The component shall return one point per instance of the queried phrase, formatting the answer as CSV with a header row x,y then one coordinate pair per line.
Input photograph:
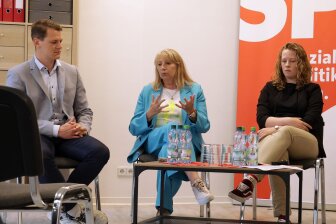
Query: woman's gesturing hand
x,y
188,106
155,107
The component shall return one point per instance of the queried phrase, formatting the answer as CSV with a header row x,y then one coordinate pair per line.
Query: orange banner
x,y
265,26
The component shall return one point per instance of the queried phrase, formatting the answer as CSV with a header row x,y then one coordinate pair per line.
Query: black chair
x,y
21,155
67,163
318,165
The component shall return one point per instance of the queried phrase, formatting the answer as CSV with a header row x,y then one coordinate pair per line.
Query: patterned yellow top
x,y
172,113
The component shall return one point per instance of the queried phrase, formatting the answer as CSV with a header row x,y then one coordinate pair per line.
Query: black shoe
x,y
244,190
165,212
282,219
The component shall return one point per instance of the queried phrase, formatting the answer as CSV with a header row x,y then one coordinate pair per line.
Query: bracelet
x,y
192,115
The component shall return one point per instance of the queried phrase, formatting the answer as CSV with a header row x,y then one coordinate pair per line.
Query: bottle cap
x,y
179,126
173,126
186,127
253,129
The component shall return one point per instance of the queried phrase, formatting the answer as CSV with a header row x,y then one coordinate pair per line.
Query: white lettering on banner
x,y
303,16
319,61
324,58
275,12
323,74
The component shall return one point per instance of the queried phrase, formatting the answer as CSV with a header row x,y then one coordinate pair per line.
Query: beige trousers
x,y
286,144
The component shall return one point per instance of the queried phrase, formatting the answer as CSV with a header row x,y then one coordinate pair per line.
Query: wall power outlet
x,y
125,171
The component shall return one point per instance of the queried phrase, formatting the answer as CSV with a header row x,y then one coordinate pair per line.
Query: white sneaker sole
x,y
204,201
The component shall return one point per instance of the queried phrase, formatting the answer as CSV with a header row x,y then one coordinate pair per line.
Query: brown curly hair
x,y
303,66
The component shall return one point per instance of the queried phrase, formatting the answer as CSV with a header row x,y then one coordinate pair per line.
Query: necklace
x,y
171,96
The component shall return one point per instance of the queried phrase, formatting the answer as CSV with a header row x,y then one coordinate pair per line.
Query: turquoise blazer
x,y
140,128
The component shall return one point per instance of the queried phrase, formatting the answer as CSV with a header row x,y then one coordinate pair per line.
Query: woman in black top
x,y
289,117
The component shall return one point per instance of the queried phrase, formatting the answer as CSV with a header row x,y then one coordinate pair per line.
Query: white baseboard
x,y
305,204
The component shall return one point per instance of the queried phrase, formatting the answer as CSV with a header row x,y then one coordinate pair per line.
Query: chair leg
x,y
242,211
19,214
97,191
207,183
89,217
316,191
79,193
132,193
19,217
202,211
56,212
205,176
2,218
323,191
254,203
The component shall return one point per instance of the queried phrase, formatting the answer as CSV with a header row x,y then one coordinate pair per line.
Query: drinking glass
x,y
216,152
226,154
211,154
206,153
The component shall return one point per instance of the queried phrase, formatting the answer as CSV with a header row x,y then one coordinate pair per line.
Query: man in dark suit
x,y
64,117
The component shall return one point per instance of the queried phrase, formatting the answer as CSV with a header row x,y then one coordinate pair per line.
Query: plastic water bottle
x,y
180,140
236,157
172,149
186,144
238,154
237,137
252,150
243,145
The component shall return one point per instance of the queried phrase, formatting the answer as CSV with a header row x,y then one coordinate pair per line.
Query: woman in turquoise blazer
x,y
173,98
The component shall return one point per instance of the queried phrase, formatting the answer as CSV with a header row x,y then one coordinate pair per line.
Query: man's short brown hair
x,y
39,28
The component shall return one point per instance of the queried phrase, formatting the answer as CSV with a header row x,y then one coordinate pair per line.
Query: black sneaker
x,y
165,212
282,219
244,190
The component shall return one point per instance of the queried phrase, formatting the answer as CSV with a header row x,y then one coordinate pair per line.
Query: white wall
x,y
118,40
